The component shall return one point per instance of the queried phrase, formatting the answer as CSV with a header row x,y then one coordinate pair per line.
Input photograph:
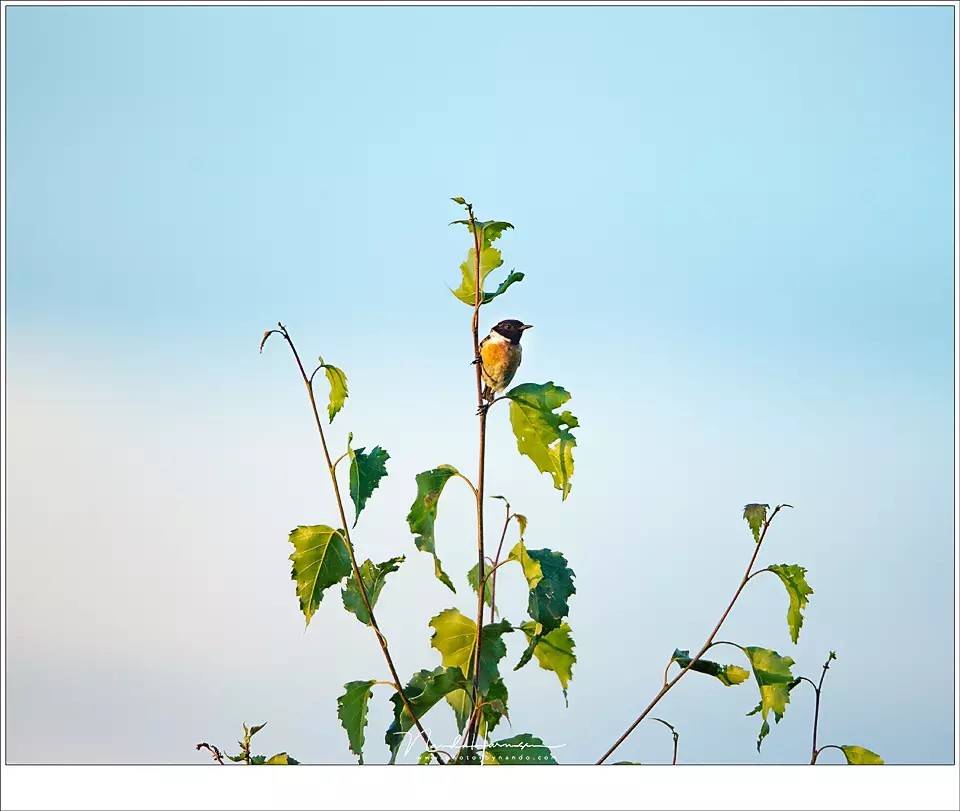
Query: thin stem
x,y
217,754
496,564
349,544
478,284
469,483
676,738
816,752
668,685
340,458
816,708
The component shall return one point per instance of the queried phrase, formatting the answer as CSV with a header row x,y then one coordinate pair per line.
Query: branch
x,y
668,685
331,467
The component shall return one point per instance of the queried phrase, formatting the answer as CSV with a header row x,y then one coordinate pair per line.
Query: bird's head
x,y
511,329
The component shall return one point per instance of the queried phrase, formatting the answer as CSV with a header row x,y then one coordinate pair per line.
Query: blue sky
x,y
736,225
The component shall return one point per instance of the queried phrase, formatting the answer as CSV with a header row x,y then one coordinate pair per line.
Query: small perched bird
x,y
500,356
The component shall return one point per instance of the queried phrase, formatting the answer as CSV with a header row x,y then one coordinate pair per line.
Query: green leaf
x,y
258,760
423,514
320,560
425,759
462,202
255,729
520,750
374,576
352,712
490,230
542,435
627,763
490,260
366,471
554,651
455,635
338,388
473,578
858,756
547,603
461,703
423,691
756,515
793,579
282,759
729,675
494,708
773,675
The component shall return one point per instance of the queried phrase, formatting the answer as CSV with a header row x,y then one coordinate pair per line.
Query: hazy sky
x,y
736,225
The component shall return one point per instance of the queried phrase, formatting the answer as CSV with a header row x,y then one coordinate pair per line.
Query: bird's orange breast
x,y
500,362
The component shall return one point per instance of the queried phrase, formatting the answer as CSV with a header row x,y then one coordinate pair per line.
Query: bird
x,y
500,356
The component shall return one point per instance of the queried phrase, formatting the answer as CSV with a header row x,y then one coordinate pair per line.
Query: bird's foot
x,y
483,409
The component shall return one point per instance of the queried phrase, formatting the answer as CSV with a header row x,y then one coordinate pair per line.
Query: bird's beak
x,y
526,326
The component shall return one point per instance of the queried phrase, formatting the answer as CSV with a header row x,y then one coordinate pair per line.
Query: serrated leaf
x,y
235,758
255,729
493,709
554,651
425,759
520,750
366,471
423,515
423,691
352,712
473,578
490,230
282,759
338,389
543,435
320,560
756,515
772,672
455,636
374,577
729,675
490,260
547,602
258,760
522,522
858,756
793,579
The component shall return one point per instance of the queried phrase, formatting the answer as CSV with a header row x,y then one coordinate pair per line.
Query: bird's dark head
x,y
511,329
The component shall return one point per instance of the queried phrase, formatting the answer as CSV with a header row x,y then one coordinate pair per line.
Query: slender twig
x,y
816,707
668,685
817,752
676,738
469,483
217,754
478,284
496,564
339,459
349,544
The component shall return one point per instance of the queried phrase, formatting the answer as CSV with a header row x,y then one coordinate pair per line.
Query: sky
x,y
736,226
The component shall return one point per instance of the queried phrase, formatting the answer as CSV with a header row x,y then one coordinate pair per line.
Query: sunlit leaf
x,y
352,712
490,230
425,759
282,759
490,260
531,567
520,750
554,651
756,515
423,514
542,434
423,691
858,756
728,675
374,575
320,560
366,471
793,579
522,522
338,389
455,636
775,680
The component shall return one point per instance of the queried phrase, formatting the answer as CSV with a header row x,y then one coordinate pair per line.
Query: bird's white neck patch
x,y
497,338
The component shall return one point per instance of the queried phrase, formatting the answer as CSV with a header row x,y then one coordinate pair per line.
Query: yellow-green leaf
x,y
794,581
320,560
542,434
423,515
756,515
772,672
338,389
554,651
858,756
